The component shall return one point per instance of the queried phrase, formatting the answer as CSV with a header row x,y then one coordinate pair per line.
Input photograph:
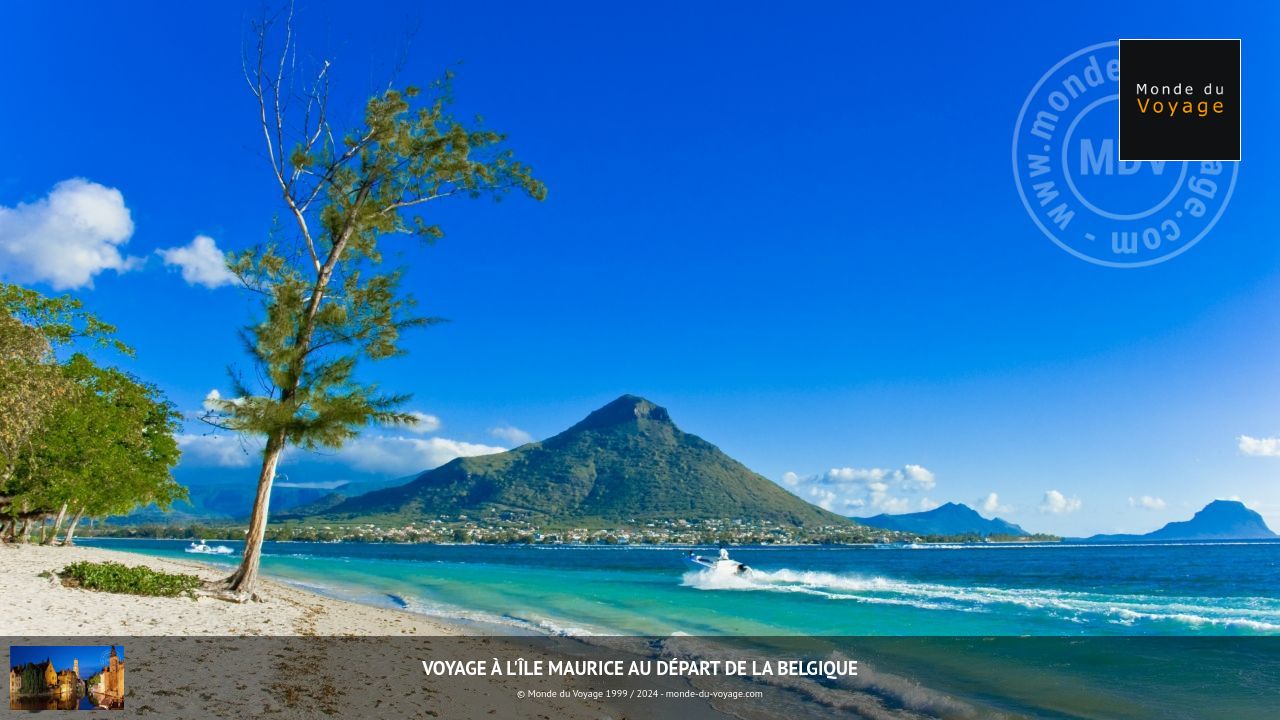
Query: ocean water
x,y
1055,632
1183,589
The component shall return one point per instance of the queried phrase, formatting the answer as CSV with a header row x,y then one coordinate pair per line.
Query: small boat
x,y
203,548
722,564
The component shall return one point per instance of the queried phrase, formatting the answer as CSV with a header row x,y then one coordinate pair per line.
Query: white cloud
x,y
511,434
1057,503
396,455
1260,447
323,485
66,238
918,477
865,491
214,402
1147,502
391,455
201,262
426,423
222,450
991,505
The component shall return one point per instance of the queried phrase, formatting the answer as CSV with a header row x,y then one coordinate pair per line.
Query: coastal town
x,y
40,685
498,529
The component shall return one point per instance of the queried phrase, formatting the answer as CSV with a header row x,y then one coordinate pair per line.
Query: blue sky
x,y
92,657
794,227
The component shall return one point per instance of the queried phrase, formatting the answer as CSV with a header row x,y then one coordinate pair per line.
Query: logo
x,y
1107,211
1180,100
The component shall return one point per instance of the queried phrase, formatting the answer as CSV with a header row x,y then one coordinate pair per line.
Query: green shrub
x,y
118,578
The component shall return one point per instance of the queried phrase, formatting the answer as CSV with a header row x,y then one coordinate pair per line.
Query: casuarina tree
x,y
328,298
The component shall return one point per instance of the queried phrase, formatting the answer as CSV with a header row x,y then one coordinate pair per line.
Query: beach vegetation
x,y
130,580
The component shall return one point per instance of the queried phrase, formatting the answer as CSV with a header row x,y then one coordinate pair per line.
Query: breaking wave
x,y
1135,612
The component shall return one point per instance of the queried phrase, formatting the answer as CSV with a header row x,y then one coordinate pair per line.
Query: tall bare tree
x,y
328,299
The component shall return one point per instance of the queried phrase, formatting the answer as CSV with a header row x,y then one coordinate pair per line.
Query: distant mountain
x,y
226,501
949,519
1219,520
626,462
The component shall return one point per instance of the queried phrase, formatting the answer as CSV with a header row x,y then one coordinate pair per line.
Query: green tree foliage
x,y
29,390
31,326
76,437
61,320
108,448
328,298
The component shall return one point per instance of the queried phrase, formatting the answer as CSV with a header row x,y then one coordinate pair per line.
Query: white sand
x,y
310,656
32,605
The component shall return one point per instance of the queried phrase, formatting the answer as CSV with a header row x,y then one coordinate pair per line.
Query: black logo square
x,y
1179,100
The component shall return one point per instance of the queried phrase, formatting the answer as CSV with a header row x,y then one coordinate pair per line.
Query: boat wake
x,y
204,548
1136,613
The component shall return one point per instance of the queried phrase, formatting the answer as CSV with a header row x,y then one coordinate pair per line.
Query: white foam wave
x,y
1248,614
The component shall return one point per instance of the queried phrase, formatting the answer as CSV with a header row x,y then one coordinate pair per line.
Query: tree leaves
x,y
325,311
107,447
61,319
76,433
30,388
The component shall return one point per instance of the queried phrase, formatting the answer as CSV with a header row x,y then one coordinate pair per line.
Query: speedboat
x,y
203,548
718,565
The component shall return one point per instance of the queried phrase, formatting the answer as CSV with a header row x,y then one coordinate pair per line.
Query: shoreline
x,y
1074,543
659,546
472,604
294,655
306,652
41,606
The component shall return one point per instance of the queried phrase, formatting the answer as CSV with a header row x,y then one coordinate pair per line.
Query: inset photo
x,y
66,677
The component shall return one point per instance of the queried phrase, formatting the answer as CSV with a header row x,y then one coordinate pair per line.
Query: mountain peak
x,y
948,519
624,463
957,510
1219,520
625,409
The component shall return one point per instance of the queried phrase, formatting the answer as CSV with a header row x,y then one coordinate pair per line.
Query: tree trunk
x,y
26,530
57,526
71,529
243,581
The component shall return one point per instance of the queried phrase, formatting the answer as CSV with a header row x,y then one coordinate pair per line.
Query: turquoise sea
x,y
1220,588
1116,632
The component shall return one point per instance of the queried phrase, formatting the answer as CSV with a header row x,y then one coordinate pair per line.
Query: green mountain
x,y
624,463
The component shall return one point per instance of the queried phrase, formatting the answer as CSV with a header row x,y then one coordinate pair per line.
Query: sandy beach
x,y
297,654
34,605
